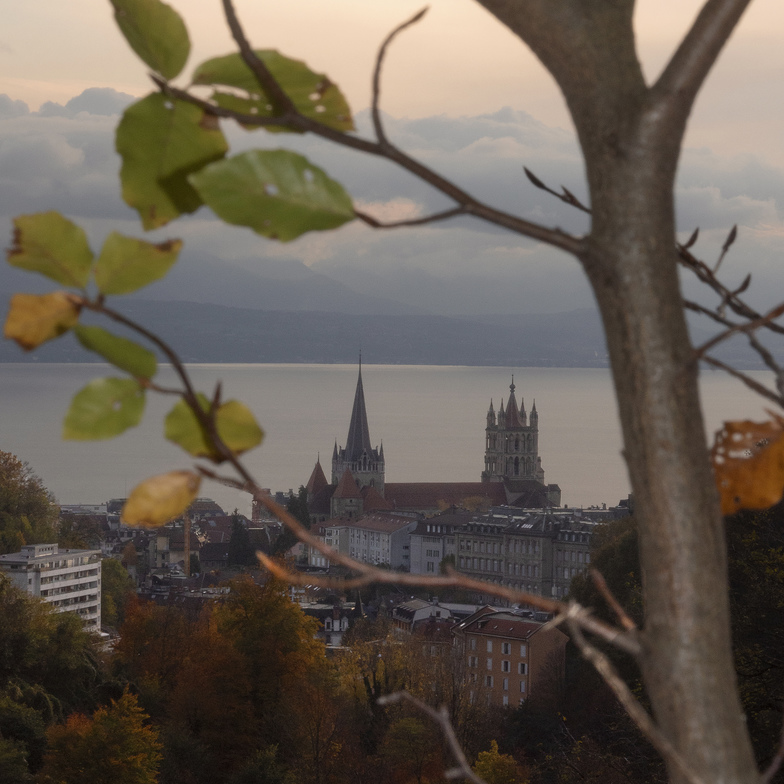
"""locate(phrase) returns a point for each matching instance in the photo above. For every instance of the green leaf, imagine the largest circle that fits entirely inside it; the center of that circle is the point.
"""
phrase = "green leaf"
(120, 352)
(127, 264)
(104, 408)
(236, 426)
(160, 498)
(161, 142)
(52, 245)
(155, 32)
(277, 193)
(313, 94)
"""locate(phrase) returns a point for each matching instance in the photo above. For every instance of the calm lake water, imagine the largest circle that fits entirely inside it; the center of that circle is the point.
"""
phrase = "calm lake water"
(431, 421)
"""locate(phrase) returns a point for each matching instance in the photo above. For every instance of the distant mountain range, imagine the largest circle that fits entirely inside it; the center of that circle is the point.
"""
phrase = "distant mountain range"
(214, 333)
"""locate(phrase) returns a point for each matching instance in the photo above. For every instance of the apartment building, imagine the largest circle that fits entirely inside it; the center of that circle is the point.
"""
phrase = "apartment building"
(537, 551)
(509, 656)
(67, 580)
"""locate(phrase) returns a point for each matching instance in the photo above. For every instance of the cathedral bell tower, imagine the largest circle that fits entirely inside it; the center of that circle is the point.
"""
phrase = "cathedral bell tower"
(512, 442)
(365, 464)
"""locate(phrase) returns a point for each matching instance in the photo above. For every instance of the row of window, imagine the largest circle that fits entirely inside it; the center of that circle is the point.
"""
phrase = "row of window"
(482, 564)
(523, 570)
(506, 647)
(69, 576)
(572, 555)
(506, 665)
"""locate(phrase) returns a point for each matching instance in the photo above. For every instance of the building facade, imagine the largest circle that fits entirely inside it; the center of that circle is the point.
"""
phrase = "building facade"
(67, 580)
(512, 442)
(509, 657)
(537, 551)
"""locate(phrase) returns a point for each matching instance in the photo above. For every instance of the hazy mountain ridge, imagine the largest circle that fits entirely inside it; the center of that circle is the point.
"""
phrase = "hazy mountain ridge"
(215, 333)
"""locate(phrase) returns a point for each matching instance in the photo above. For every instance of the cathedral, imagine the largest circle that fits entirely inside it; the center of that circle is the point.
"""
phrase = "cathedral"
(513, 473)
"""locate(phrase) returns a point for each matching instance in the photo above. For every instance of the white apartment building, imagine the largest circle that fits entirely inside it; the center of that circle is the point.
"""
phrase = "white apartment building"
(68, 580)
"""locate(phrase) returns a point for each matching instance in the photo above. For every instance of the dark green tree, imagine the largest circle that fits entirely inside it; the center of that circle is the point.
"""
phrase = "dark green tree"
(116, 588)
(28, 513)
(241, 551)
(297, 507)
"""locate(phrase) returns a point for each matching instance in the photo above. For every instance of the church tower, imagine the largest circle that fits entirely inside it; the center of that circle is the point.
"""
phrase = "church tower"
(512, 442)
(365, 463)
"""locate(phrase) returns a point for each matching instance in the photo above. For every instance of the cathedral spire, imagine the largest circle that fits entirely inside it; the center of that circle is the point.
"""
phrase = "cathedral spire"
(358, 440)
(512, 412)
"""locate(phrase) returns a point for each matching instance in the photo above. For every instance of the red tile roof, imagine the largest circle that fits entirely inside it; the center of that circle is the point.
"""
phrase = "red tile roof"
(317, 481)
(347, 487)
(439, 495)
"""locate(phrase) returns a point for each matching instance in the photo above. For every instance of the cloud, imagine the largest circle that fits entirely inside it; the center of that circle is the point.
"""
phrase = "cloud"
(64, 159)
(103, 101)
(12, 108)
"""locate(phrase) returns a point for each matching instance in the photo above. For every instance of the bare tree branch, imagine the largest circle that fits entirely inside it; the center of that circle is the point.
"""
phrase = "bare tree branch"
(274, 91)
(439, 216)
(604, 590)
(636, 712)
(441, 717)
(673, 93)
(735, 329)
(747, 380)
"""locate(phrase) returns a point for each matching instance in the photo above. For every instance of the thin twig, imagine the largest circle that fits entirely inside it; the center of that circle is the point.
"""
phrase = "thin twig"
(747, 380)
(441, 717)
(438, 216)
(292, 118)
(636, 712)
(275, 92)
(604, 590)
(375, 110)
(762, 321)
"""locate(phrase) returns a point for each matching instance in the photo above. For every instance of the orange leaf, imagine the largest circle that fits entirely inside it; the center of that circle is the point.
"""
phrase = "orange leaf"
(748, 461)
(34, 319)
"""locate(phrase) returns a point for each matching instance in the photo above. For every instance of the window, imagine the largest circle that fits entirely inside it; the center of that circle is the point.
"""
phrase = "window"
(522, 650)
(522, 687)
(506, 684)
(489, 680)
(506, 648)
(505, 666)
(472, 661)
(472, 643)
(489, 664)
(431, 567)
(522, 668)
(506, 699)
(489, 646)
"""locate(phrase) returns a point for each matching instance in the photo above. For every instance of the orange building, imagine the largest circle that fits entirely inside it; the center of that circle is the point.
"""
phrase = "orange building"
(509, 656)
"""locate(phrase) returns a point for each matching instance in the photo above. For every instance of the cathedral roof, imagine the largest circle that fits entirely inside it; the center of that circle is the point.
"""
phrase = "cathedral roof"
(358, 440)
(373, 500)
(347, 487)
(439, 495)
(317, 481)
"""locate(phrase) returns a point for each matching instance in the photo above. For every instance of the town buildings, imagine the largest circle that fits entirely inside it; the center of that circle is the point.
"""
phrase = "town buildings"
(67, 580)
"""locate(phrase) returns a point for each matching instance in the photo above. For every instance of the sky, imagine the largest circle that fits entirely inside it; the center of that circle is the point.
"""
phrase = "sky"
(459, 91)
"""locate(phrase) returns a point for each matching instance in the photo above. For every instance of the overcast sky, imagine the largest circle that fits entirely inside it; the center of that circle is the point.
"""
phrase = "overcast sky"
(445, 87)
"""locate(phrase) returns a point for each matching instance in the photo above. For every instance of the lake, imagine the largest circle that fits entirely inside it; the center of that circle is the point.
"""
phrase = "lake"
(431, 421)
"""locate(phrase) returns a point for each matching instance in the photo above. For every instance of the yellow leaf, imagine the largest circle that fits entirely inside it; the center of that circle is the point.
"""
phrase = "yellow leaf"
(748, 461)
(160, 498)
(34, 319)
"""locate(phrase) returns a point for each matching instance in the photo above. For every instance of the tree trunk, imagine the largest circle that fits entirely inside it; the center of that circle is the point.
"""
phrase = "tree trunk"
(630, 136)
